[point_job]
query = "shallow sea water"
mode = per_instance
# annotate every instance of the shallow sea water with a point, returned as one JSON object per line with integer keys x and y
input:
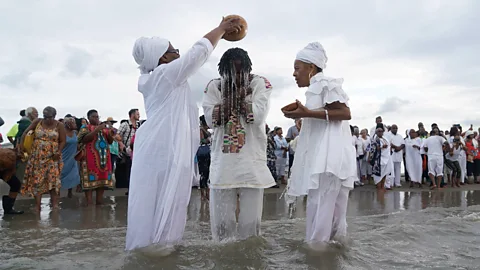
{"x": 399, "y": 230}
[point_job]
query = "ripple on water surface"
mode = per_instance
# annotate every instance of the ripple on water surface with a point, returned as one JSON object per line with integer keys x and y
{"x": 396, "y": 231}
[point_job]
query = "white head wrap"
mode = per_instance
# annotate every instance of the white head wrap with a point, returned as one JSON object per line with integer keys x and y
{"x": 468, "y": 133}
{"x": 313, "y": 53}
{"x": 147, "y": 52}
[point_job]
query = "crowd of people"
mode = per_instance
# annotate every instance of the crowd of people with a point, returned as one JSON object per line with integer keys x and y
{"x": 81, "y": 154}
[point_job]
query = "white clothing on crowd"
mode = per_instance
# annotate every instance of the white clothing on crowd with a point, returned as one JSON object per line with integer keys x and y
{"x": 386, "y": 164}
{"x": 324, "y": 166}
{"x": 397, "y": 157}
{"x": 413, "y": 159}
{"x": 162, "y": 173}
{"x": 281, "y": 162}
{"x": 462, "y": 159}
{"x": 434, "y": 148}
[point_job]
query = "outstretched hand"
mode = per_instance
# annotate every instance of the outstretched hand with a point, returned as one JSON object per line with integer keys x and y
{"x": 230, "y": 25}
{"x": 300, "y": 112}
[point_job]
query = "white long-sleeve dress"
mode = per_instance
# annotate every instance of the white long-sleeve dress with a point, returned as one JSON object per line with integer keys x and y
{"x": 413, "y": 159}
{"x": 165, "y": 146}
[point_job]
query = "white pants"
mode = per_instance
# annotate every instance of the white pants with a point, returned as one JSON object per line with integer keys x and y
{"x": 435, "y": 165}
{"x": 397, "y": 170}
{"x": 281, "y": 164}
{"x": 326, "y": 215}
{"x": 223, "y": 203}
{"x": 365, "y": 167}
{"x": 462, "y": 159}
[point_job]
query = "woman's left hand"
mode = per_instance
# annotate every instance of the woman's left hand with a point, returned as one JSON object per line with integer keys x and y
{"x": 300, "y": 112}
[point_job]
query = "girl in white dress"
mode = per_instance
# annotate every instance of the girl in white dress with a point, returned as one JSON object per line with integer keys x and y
{"x": 413, "y": 158}
{"x": 325, "y": 161}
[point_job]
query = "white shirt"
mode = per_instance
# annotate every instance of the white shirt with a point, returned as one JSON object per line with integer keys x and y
{"x": 279, "y": 143}
{"x": 434, "y": 144}
{"x": 456, "y": 153}
{"x": 248, "y": 168}
{"x": 397, "y": 140}
{"x": 359, "y": 145}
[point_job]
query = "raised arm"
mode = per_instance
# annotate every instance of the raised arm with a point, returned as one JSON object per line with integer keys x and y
{"x": 180, "y": 70}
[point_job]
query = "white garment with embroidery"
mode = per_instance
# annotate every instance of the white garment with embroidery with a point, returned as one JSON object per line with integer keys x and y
{"x": 248, "y": 168}
{"x": 324, "y": 149}
{"x": 165, "y": 146}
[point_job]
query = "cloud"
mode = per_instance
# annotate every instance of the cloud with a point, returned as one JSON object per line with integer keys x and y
{"x": 78, "y": 61}
{"x": 392, "y": 104}
{"x": 412, "y": 61}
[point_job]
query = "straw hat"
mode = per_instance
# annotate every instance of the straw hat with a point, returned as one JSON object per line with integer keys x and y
{"x": 110, "y": 119}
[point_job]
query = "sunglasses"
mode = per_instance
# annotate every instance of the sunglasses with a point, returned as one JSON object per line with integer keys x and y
{"x": 177, "y": 51}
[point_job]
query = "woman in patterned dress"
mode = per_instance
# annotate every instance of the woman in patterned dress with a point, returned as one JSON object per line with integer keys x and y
{"x": 96, "y": 165}
{"x": 44, "y": 164}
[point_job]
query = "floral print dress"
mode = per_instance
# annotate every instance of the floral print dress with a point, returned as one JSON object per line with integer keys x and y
{"x": 42, "y": 173}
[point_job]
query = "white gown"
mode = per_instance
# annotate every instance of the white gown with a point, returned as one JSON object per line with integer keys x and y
{"x": 413, "y": 159}
{"x": 165, "y": 146}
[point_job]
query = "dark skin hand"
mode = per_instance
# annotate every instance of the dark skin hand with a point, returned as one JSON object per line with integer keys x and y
{"x": 91, "y": 136}
{"x": 336, "y": 112}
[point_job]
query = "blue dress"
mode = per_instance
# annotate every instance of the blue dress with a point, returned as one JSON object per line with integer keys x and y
{"x": 70, "y": 174}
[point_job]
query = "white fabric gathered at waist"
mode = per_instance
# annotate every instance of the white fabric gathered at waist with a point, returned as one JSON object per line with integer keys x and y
{"x": 326, "y": 181}
{"x": 241, "y": 185}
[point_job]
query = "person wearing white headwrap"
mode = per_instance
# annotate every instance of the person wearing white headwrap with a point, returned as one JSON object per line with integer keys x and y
{"x": 165, "y": 146}
{"x": 413, "y": 158}
{"x": 325, "y": 161}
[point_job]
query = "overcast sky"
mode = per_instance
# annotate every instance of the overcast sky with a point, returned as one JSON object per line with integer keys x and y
{"x": 408, "y": 61}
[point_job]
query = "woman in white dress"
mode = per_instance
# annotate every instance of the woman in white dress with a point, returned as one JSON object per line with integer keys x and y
{"x": 325, "y": 161}
{"x": 413, "y": 158}
{"x": 380, "y": 158}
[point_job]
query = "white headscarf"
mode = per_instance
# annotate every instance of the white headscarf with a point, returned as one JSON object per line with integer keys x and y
{"x": 313, "y": 53}
{"x": 147, "y": 52}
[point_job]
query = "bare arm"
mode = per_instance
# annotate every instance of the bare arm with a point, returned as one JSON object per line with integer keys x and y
{"x": 62, "y": 137}
{"x": 336, "y": 112}
{"x": 32, "y": 126}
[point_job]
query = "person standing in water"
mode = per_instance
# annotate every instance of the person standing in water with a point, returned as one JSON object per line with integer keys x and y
{"x": 162, "y": 173}
{"x": 325, "y": 161}
{"x": 236, "y": 106}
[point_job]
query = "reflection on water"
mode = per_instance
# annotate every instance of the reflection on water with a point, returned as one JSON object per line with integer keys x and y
{"x": 403, "y": 230}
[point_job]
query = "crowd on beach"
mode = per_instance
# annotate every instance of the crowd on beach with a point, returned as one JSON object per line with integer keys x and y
{"x": 110, "y": 155}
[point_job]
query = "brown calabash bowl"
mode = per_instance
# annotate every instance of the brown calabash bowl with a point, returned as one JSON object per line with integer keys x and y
{"x": 290, "y": 107}
{"x": 236, "y": 36}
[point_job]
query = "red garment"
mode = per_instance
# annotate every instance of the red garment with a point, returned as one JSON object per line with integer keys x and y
{"x": 471, "y": 150}
{"x": 97, "y": 166}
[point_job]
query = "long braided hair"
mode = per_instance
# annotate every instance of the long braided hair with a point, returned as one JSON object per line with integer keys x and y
{"x": 232, "y": 94}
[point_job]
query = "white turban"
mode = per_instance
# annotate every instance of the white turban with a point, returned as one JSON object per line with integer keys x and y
{"x": 313, "y": 53}
{"x": 147, "y": 52}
